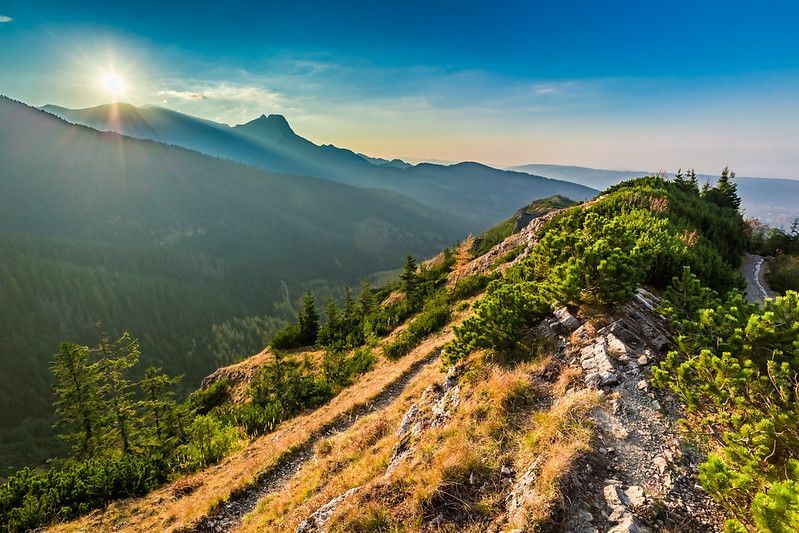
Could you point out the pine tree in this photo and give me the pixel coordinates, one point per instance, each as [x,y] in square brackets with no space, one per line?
[309,320]
[728,190]
[679,179]
[116,360]
[693,182]
[686,296]
[159,407]
[410,280]
[77,390]
[687,182]
[350,308]
[366,299]
[330,331]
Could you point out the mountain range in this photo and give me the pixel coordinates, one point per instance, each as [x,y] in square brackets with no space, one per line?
[480,194]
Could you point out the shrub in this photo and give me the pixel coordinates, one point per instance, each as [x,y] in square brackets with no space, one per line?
[203,401]
[434,316]
[209,441]
[736,370]
[783,274]
[29,499]
[288,338]
[470,286]
[402,345]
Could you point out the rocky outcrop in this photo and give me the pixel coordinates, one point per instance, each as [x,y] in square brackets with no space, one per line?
[433,409]
[522,492]
[600,369]
[638,443]
[524,239]
[239,375]
[622,503]
[316,522]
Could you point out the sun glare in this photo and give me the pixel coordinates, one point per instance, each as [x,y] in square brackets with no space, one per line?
[112,84]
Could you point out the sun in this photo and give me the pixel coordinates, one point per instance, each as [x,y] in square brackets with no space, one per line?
[112,83]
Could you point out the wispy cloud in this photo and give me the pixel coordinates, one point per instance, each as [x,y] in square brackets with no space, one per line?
[227,92]
[4,18]
[181,95]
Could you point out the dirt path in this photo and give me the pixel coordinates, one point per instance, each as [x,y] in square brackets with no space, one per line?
[227,516]
[753,271]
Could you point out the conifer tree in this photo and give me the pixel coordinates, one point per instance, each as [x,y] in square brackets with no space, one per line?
[116,360]
[410,280]
[679,179]
[366,299]
[329,332]
[159,407]
[309,320]
[728,190]
[686,296]
[687,182]
[77,390]
[693,182]
[350,310]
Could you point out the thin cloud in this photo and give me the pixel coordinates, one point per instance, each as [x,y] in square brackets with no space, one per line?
[226,92]
[4,18]
[181,95]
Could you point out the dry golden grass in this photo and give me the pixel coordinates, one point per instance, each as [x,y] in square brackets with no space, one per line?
[506,417]
[558,437]
[341,462]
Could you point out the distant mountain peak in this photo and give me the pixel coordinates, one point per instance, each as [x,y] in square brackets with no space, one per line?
[269,126]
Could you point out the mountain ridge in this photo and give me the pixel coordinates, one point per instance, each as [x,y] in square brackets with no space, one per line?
[482,194]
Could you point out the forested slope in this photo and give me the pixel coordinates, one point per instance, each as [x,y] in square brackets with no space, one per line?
[168,242]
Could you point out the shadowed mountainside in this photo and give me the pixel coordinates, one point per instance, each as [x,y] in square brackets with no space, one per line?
[167,242]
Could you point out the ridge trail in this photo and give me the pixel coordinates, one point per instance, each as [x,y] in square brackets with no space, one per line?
[757,289]
[229,515]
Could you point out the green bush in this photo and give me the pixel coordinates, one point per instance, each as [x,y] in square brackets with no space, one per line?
[434,316]
[736,370]
[287,338]
[638,233]
[470,286]
[203,401]
[29,499]
[209,441]
[402,345]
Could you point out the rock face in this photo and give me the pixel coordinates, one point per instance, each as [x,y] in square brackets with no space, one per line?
[433,409]
[317,521]
[622,518]
[522,491]
[600,369]
[525,238]
[566,321]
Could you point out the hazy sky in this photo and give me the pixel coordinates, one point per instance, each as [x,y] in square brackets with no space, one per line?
[640,85]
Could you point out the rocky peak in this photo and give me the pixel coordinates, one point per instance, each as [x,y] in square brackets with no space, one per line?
[267,127]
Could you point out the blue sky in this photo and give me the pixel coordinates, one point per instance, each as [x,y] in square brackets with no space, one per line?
[652,85]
